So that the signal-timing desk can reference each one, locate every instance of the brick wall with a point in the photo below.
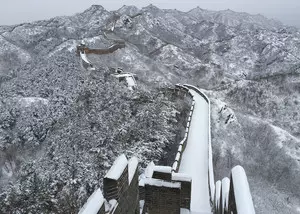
(123, 186)
(185, 194)
(114, 189)
(132, 195)
(162, 197)
(165, 191)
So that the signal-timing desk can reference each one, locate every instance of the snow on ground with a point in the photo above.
(195, 157)
(8, 169)
(28, 101)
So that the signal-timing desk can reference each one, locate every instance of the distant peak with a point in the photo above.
(95, 7)
(128, 9)
(197, 9)
(151, 6)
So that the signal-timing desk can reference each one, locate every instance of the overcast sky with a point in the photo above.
(19, 11)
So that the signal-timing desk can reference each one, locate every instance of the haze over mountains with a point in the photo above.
(54, 115)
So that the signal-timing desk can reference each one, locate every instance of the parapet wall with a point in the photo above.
(111, 49)
(161, 197)
(233, 196)
(115, 183)
(164, 189)
(182, 144)
(121, 190)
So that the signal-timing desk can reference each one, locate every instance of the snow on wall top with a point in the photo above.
(28, 101)
(149, 170)
(243, 198)
(117, 168)
(225, 192)
(161, 183)
(163, 169)
(94, 203)
(142, 182)
(132, 166)
(218, 193)
(181, 177)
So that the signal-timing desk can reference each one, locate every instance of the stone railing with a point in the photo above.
(183, 142)
(233, 196)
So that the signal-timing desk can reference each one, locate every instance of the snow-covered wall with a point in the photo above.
(225, 194)
(211, 179)
(182, 143)
(217, 204)
(85, 62)
(94, 205)
(163, 190)
(233, 196)
(240, 199)
(120, 186)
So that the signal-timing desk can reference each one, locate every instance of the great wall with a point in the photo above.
(188, 186)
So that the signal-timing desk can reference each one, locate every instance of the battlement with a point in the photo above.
(164, 191)
(159, 190)
(121, 190)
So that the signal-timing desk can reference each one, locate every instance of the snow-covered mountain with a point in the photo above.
(58, 121)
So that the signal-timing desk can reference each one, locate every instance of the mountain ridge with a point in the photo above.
(249, 69)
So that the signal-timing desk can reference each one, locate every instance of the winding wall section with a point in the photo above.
(194, 160)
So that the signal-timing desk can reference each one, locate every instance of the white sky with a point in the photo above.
(19, 11)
